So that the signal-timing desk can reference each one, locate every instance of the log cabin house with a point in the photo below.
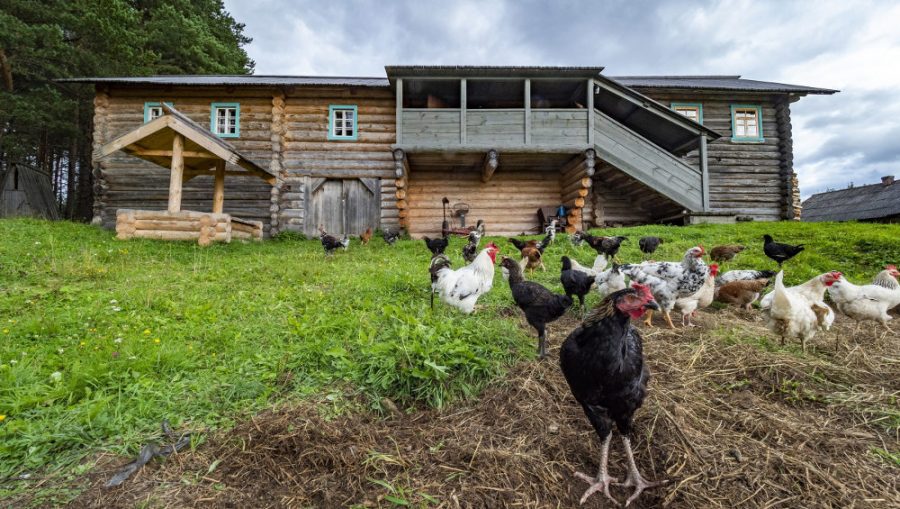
(499, 142)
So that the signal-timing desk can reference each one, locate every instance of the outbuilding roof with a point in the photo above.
(236, 80)
(717, 82)
(855, 203)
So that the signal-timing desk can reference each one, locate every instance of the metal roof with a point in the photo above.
(712, 82)
(462, 71)
(864, 202)
(236, 80)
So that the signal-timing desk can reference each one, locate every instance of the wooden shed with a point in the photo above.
(26, 191)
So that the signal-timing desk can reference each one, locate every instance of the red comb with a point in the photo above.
(890, 266)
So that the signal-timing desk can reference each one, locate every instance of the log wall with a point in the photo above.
(508, 203)
(746, 178)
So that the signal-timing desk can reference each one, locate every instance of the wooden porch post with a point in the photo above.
(177, 173)
(704, 173)
(219, 188)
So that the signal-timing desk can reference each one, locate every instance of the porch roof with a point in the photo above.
(490, 71)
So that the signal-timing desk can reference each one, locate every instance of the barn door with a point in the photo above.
(343, 206)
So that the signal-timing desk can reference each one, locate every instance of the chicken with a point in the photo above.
(610, 280)
(744, 275)
(436, 246)
(390, 236)
(669, 281)
(780, 252)
(577, 238)
(791, 315)
(366, 236)
(724, 254)
(812, 290)
(550, 230)
(330, 243)
(575, 282)
(470, 250)
(480, 228)
(540, 305)
(742, 293)
(599, 266)
(699, 300)
(437, 261)
(522, 244)
(532, 258)
(649, 245)
(606, 245)
(866, 302)
(461, 288)
(603, 363)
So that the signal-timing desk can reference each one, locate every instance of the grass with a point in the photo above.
(103, 339)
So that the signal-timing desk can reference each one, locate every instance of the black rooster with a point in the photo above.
(649, 245)
(390, 236)
(540, 305)
(575, 282)
(603, 362)
(780, 252)
(330, 243)
(470, 250)
(436, 246)
(606, 245)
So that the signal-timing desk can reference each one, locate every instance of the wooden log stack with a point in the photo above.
(575, 184)
(202, 227)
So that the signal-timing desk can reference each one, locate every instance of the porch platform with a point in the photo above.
(202, 227)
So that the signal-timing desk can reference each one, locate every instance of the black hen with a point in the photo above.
(436, 246)
(390, 236)
(603, 363)
(606, 245)
(470, 250)
(540, 305)
(575, 282)
(330, 242)
(780, 252)
(649, 245)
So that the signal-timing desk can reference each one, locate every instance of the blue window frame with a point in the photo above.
(225, 119)
(343, 122)
(746, 123)
(153, 110)
(693, 111)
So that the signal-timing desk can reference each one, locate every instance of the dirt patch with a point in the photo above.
(729, 423)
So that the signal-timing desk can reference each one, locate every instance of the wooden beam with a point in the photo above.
(527, 111)
(590, 108)
(462, 111)
(489, 165)
(177, 173)
(187, 154)
(219, 188)
(399, 127)
(704, 172)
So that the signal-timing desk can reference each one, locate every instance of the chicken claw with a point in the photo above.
(635, 479)
(599, 483)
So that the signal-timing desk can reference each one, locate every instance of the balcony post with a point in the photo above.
(590, 108)
(399, 128)
(704, 173)
(527, 111)
(462, 111)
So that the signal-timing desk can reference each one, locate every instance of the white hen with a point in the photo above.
(600, 263)
(791, 314)
(866, 302)
(610, 280)
(461, 288)
(699, 300)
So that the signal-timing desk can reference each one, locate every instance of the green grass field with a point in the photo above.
(102, 339)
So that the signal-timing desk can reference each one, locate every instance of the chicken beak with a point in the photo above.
(652, 305)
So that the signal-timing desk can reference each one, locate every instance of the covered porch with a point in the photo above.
(176, 142)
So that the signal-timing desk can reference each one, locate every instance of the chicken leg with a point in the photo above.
(649, 320)
(603, 481)
(542, 344)
(635, 479)
(668, 317)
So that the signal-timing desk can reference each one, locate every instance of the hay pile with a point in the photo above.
(729, 423)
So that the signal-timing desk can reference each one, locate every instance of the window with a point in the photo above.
(690, 110)
(153, 111)
(746, 123)
(342, 122)
(225, 120)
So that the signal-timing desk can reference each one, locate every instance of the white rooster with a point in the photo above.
(669, 281)
(702, 299)
(461, 288)
(790, 313)
(867, 302)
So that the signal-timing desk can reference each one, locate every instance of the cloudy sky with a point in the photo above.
(853, 136)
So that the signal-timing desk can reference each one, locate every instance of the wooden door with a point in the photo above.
(343, 206)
